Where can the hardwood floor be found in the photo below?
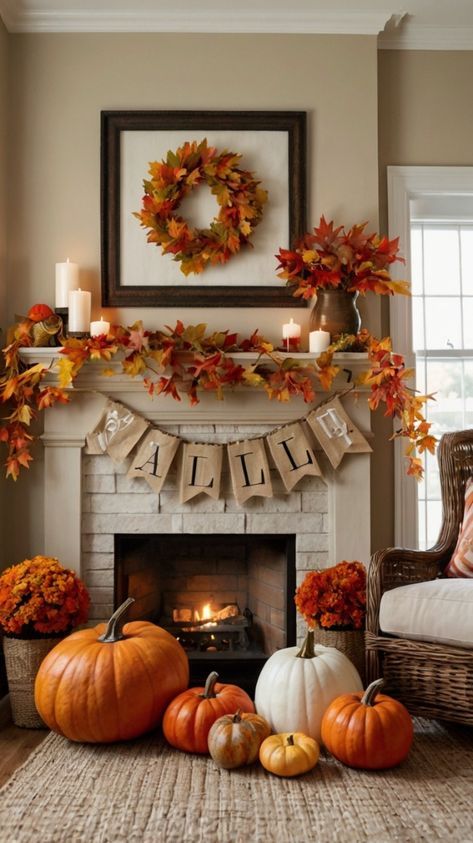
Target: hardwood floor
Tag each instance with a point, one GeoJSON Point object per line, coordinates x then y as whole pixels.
{"type": "Point", "coordinates": [15, 746]}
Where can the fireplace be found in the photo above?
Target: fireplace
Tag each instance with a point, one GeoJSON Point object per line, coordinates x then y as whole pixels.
{"type": "Point", "coordinates": [87, 500]}
{"type": "Point", "coordinates": [227, 598]}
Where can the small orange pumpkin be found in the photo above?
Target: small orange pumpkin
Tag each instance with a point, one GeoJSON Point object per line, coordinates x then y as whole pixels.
{"type": "Point", "coordinates": [370, 731]}
{"type": "Point", "coordinates": [234, 739]}
{"type": "Point", "coordinates": [38, 312]}
{"type": "Point", "coordinates": [289, 753]}
{"type": "Point", "coordinates": [110, 684]}
{"type": "Point", "coordinates": [189, 717]}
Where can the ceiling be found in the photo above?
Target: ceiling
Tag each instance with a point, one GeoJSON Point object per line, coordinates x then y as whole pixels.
{"type": "Point", "coordinates": [419, 24]}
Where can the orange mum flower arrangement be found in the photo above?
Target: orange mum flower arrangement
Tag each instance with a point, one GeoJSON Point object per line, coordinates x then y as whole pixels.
{"type": "Point", "coordinates": [334, 598]}
{"type": "Point", "coordinates": [41, 599]}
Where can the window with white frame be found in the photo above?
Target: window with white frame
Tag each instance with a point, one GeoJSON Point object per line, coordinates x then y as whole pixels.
{"type": "Point", "coordinates": [433, 209]}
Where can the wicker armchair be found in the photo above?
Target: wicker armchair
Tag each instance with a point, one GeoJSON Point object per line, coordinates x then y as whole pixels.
{"type": "Point", "coordinates": [432, 680]}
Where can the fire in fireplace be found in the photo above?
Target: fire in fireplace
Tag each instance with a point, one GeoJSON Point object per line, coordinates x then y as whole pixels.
{"type": "Point", "coordinates": [228, 599]}
{"type": "Point", "coordinates": [212, 628]}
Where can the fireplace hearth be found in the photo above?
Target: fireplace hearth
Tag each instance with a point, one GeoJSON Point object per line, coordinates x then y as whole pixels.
{"type": "Point", "coordinates": [227, 598]}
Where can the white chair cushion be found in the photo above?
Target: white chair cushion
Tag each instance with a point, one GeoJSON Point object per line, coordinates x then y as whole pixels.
{"type": "Point", "coordinates": [440, 611]}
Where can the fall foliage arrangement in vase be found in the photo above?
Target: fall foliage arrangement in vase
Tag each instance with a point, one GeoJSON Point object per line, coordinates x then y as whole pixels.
{"type": "Point", "coordinates": [39, 598]}
{"type": "Point", "coordinates": [335, 258]}
{"type": "Point", "coordinates": [334, 598]}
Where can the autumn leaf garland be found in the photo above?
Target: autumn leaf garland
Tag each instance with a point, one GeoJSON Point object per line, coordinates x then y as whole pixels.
{"type": "Point", "coordinates": [183, 360]}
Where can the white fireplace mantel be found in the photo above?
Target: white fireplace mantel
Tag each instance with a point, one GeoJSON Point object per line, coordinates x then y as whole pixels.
{"type": "Point", "coordinates": [66, 427]}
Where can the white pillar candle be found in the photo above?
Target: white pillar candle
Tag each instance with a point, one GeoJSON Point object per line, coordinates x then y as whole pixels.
{"type": "Point", "coordinates": [291, 335]}
{"type": "Point", "coordinates": [99, 328]}
{"type": "Point", "coordinates": [80, 303]}
{"type": "Point", "coordinates": [291, 330]}
{"type": "Point", "coordinates": [319, 341]}
{"type": "Point", "coordinates": [67, 279]}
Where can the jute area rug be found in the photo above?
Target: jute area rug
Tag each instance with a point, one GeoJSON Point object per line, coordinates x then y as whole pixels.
{"type": "Point", "coordinates": [146, 791]}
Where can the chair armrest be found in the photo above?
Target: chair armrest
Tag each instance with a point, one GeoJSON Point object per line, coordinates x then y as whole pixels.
{"type": "Point", "coordinates": [396, 566]}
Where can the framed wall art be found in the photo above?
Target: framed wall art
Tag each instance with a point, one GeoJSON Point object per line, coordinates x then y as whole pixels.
{"type": "Point", "coordinates": [234, 264]}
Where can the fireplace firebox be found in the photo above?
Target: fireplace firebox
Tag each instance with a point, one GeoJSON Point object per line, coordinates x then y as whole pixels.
{"type": "Point", "coordinates": [227, 598]}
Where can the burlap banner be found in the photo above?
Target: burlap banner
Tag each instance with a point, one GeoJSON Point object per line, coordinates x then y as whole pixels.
{"type": "Point", "coordinates": [117, 432]}
{"type": "Point", "coordinates": [249, 470]}
{"type": "Point", "coordinates": [120, 429]}
{"type": "Point", "coordinates": [154, 457]}
{"type": "Point", "coordinates": [292, 454]}
{"type": "Point", "coordinates": [336, 432]}
{"type": "Point", "coordinates": [200, 470]}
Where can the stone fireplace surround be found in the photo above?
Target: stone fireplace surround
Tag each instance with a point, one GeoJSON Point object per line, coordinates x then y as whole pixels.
{"type": "Point", "coordinates": [89, 499]}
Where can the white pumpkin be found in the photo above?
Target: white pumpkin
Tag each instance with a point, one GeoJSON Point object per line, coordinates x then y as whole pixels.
{"type": "Point", "coordinates": [293, 690]}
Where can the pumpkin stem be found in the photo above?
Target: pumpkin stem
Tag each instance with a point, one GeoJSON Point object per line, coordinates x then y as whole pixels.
{"type": "Point", "coordinates": [371, 692]}
{"type": "Point", "coordinates": [307, 650]}
{"type": "Point", "coordinates": [209, 690]}
{"type": "Point", "coordinates": [237, 716]}
{"type": "Point", "coordinates": [290, 740]}
{"type": "Point", "coordinates": [114, 631]}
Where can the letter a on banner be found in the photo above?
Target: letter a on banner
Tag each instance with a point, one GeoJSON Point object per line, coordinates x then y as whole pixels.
{"type": "Point", "coordinates": [154, 458]}
{"type": "Point", "coordinates": [292, 454]}
{"type": "Point", "coordinates": [201, 470]}
{"type": "Point", "coordinates": [249, 469]}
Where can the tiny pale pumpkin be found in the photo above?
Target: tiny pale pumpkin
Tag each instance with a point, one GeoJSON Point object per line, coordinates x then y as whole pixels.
{"type": "Point", "coordinates": [289, 754]}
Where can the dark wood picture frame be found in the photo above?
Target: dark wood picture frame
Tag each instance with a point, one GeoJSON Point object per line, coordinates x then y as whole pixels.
{"type": "Point", "coordinates": [113, 123]}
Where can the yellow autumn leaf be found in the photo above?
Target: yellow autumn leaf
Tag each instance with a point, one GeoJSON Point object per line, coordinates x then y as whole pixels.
{"type": "Point", "coordinates": [108, 373]}
{"type": "Point", "coordinates": [309, 255]}
{"type": "Point", "coordinates": [134, 365]}
{"type": "Point", "coordinates": [251, 378]}
{"type": "Point", "coordinates": [245, 228]}
{"type": "Point", "coordinates": [66, 372]}
{"type": "Point", "coordinates": [25, 414]}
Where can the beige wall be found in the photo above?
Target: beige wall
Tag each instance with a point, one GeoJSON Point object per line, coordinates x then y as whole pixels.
{"type": "Point", "coordinates": [4, 43]}
{"type": "Point", "coordinates": [60, 83]}
{"type": "Point", "coordinates": [425, 109]}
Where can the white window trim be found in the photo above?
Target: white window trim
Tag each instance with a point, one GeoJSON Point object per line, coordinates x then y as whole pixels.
{"type": "Point", "coordinates": [404, 184]}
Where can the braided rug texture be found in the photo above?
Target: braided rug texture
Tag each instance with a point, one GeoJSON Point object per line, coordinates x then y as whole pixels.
{"type": "Point", "coordinates": [147, 792]}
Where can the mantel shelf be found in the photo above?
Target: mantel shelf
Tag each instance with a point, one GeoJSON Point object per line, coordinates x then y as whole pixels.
{"type": "Point", "coordinates": [241, 405]}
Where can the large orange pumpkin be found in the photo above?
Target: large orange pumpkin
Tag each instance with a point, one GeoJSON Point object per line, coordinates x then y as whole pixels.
{"type": "Point", "coordinates": [188, 718]}
{"type": "Point", "coordinates": [370, 731]}
{"type": "Point", "coordinates": [109, 684]}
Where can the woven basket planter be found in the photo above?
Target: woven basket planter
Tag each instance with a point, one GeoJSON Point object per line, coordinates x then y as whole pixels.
{"type": "Point", "coordinates": [22, 660]}
{"type": "Point", "coordinates": [351, 642]}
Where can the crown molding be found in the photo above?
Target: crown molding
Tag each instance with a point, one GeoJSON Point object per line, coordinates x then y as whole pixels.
{"type": "Point", "coordinates": [167, 20]}
{"type": "Point", "coordinates": [411, 36]}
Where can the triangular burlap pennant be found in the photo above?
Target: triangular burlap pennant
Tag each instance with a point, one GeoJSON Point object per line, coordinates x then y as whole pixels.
{"type": "Point", "coordinates": [336, 432]}
{"type": "Point", "coordinates": [292, 454]}
{"type": "Point", "coordinates": [117, 432]}
{"type": "Point", "coordinates": [200, 470]}
{"type": "Point", "coordinates": [249, 470]}
{"type": "Point", "coordinates": [154, 458]}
